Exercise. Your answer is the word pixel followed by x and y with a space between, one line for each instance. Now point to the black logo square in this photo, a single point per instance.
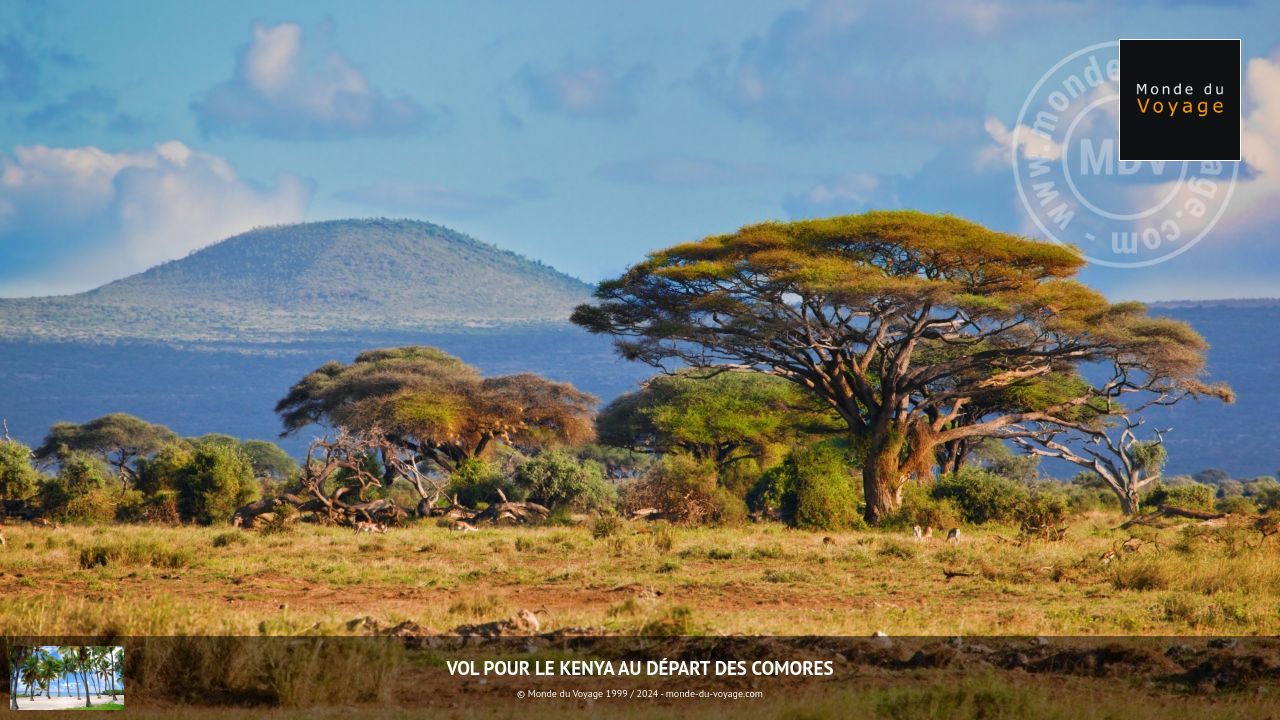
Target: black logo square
pixel 1179 99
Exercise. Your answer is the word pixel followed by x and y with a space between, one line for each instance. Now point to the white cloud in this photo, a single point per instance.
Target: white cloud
pixel 584 90
pixel 288 88
pixel 843 68
pixel 74 218
pixel 852 192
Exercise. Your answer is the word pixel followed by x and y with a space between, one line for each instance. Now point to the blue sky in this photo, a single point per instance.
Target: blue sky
pixel 582 134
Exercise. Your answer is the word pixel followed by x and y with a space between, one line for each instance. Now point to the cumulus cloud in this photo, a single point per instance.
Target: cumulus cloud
pixel 83 109
pixel 592 91
pixel 843 194
pixel 289 87
pixel 841 68
pixel 74 218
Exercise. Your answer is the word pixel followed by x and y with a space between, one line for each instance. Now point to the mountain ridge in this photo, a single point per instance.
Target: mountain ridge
pixel 290 281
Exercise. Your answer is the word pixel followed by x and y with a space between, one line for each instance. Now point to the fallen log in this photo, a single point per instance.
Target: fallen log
pixel 514 512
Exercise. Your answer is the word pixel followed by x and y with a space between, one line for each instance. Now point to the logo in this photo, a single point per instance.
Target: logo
pixel 1077 189
pixel 1180 100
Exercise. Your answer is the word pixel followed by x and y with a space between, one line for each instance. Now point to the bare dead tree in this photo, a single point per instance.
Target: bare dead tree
pixel 1124 462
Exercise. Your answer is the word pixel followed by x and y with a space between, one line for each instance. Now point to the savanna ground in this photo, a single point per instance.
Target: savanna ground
pixel 632 578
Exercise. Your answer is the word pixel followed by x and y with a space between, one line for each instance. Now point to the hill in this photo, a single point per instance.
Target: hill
pixel 291 281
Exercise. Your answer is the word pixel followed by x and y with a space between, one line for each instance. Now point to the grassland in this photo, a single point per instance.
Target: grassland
pixel 757 579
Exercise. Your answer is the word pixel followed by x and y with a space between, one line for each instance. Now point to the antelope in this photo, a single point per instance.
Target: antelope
pixel 368 527
pixel 953 536
pixel 928 532
pixel 2 541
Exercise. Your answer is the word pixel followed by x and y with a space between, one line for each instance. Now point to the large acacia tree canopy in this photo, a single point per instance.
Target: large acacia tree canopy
pixel 433 402
pixel 917 329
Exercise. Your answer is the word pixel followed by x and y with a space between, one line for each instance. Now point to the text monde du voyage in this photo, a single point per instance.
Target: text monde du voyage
pixel 1179 99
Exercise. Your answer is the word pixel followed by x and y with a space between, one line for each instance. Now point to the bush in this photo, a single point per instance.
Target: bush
pixel 130 506
pixel 162 508
pixel 1082 499
pixel 136 552
pixel 813 488
pixel 557 479
pixel 1236 505
pixel 607 526
pixel 78 476
pixel 476 481
pixel 1192 496
pixel 218 480
pixel 981 496
pixel 1266 495
pixel 729 508
pixel 920 507
pixel 1042 514
pixel 93 507
pixel 679 487
pixel 18 480
pixel 160 473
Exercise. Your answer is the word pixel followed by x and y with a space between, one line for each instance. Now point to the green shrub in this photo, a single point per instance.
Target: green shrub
pixel 92 507
pixel 981 496
pixel 557 479
pixel 162 508
pixel 476 481
pixel 135 552
pixel 160 473
pixel 728 508
pixel 78 493
pixel 1192 496
pixel 1266 495
pixel 218 480
pixel 1236 505
pixel 227 539
pixel 607 526
pixel 920 507
pixel 680 487
pixel 814 488
pixel 1086 499
pixel 18 480
pixel 1042 514
pixel 131 506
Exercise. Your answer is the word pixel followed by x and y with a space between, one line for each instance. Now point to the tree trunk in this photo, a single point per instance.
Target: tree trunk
pixel 84 675
pixel 882 476
pixel 1129 501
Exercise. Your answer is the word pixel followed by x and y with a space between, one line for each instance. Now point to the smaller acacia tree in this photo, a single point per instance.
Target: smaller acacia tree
pixel 723 418
pixel 119 439
pixel 435 411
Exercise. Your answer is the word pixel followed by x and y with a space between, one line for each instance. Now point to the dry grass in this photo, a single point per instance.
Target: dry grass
pixel 758 579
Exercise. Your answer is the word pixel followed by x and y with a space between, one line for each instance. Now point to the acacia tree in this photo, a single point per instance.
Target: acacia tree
pixel 119 439
pixel 903 323
pixel 434 410
pixel 724 418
